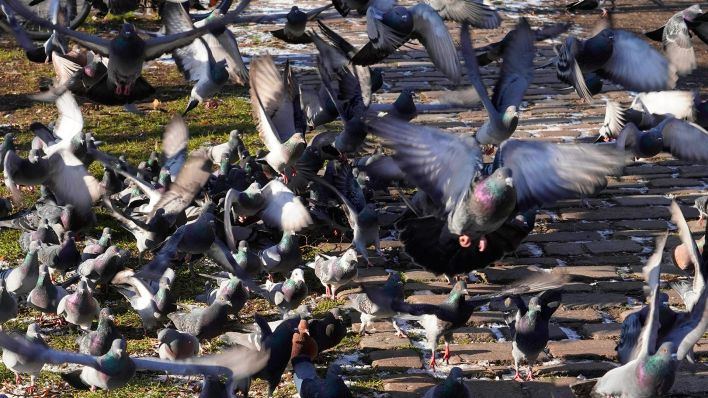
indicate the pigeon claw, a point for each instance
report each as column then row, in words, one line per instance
column 482, row 244
column 529, row 376
column 432, row 362
column 446, row 355
column 518, row 377
column 465, row 240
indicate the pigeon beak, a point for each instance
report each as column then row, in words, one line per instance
column 509, row 181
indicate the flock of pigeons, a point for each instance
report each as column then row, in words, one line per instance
column 247, row 213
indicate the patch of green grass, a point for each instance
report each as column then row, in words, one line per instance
column 326, row 304
column 367, row 385
column 349, row 342
column 9, row 248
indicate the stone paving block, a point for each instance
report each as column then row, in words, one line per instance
column 576, row 368
column 423, row 276
column 383, row 341
column 468, row 334
column 408, row 385
column 583, row 349
column 578, row 226
column 504, row 274
column 375, row 327
column 495, row 388
column 564, row 236
column 484, row 318
column 627, row 287
column 393, row 360
column 660, row 225
column 557, row 388
column 372, row 275
column 602, row 330
column 574, row 301
column 616, row 213
column 693, row 385
column 494, row 353
column 564, row 249
column 585, row 315
column 613, row 246
column 675, row 182
column 433, row 286
column 642, row 200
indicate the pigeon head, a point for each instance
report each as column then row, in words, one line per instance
column 296, row 17
column 598, row 49
column 349, row 256
column 404, row 103
column 127, row 31
column 298, row 275
column 218, row 72
column 692, row 12
column 650, row 143
column 495, row 190
column 400, row 19
column 376, row 79
column 33, row 330
column 334, row 370
column 458, row 292
column 659, row 369
column 105, row 314
column 242, row 246
column 510, row 118
column 455, row 374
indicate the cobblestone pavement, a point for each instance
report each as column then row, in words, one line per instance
column 602, row 247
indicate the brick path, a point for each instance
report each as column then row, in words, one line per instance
column 602, row 248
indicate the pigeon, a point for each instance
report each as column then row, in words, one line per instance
column 452, row 386
column 115, row 368
column 334, row 272
column 289, row 294
column 98, row 342
column 79, row 308
column 389, row 26
column 494, row 51
column 474, row 12
column 282, row 257
column 279, row 343
column 612, row 54
column 676, row 38
column 273, row 109
column 45, row 296
column 652, row 371
column 370, row 311
column 232, row 289
column 364, row 223
column 8, row 304
column 696, row 25
column 22, row 279
column 97, row 248
column 247, row 259
column 205, row 60
column 587, row 5
column 676, row 103
column 203, row 323
column 309, row 385
column 176, row 345
column 151, row 301
column 128, row 52
column 295, row 24
column 103, row 268
column 515, row 77
column 19, row 363
column 530, row 328
column 680, row 138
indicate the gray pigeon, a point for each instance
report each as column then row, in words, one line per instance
column 203, row 323
column 282, row 257
column 151, row 301
column 389, row 26
column 370, row 311
column 79, row 308
column 295, row 24
column 115, row 369
column 287, row 295
column 98, row 342
column 231, row 288
column 22, row 279
column 93, row 250
column 8, row 304
column 677, row 40
column 474, row 12
column 701, row 204
column 613, row 53
column 530, row 328
column 684, row 140
column 19, row 363
column 652, row 371
column 334, row 272
column 175, row 345
column 309, row 385
column 128, row 51
column 206, row 60
column 452, row 386
column 45, row 296
column 274, row 110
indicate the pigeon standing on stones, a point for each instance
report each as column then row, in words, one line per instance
column 453, row 386
column 530, row 328
column 287, row 295
column 370, row 311
column 334, row 272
